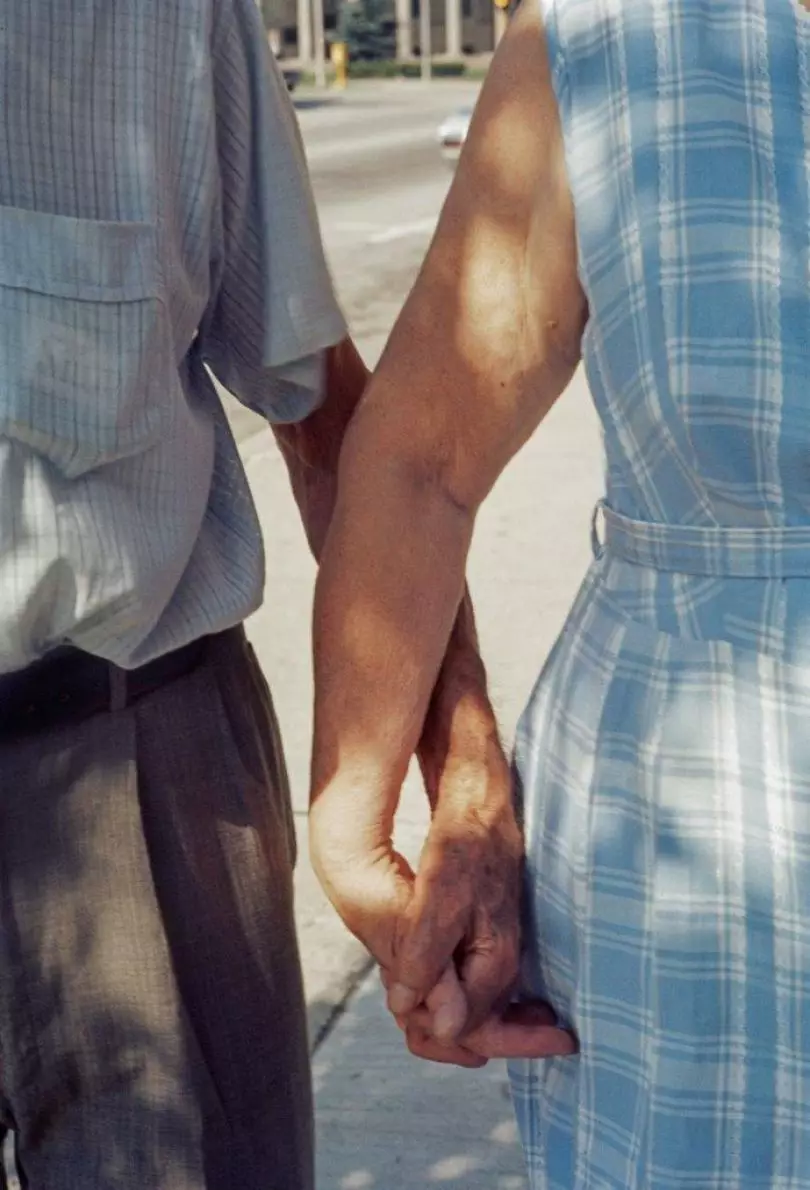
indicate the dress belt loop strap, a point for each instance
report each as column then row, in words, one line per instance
column 715, row 550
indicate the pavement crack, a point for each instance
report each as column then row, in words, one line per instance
column 338, row 1010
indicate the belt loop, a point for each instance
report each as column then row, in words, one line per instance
column 118, row 688
column 597, row 544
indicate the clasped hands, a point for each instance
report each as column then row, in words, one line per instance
column 446, row 937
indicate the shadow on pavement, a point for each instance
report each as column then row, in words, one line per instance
column 386, row 1121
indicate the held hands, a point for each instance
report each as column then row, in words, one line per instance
column 446, row 938
column 519, row 1031
column 457, row 959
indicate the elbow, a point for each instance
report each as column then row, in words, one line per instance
column 420, row 484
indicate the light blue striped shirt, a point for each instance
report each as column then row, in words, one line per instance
column 155, row 218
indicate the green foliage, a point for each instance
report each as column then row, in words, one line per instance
column 368, row 30
column 410, row 70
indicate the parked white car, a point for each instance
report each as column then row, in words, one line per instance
column 453, row 133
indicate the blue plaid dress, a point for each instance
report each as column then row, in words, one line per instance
column 664, row 757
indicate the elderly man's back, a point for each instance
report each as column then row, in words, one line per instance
column 150, row 184
column 155, row 218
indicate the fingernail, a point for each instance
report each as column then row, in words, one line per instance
column 401, row 1000
column 447, row 1023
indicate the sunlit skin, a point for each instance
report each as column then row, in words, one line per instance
column 487, row 341
column 458, row 749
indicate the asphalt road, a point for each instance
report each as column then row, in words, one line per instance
column 379, row 183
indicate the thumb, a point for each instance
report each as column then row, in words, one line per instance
column 444, row 1008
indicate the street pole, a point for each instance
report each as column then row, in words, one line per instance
column 425, row 39
column 501, row 22
column 404, row 30
column 453, row 22
column 319, row 39
column 304, row 12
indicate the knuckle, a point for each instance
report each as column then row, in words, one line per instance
column 416, row 969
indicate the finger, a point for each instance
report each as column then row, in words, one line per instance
column 525, row 1031
column 447, row 1006
column 530, row 1015
column 401, row 999
column 421, row 1045
column 489, row 968
column 429, row 930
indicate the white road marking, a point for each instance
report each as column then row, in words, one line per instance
column 401, row 230
column 364, row 227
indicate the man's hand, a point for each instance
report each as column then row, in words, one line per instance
column 465, row 902
column 460, row 1017
column 464, row 908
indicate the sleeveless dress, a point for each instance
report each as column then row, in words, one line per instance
column 664, row 758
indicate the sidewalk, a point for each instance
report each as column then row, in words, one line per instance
column 386, row 1121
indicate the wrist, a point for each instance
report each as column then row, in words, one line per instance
column 460, row 746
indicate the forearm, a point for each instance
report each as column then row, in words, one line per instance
column 459, row 726
column 311, row 448
column 384, row 609
column 460, row 731
column 314, row 489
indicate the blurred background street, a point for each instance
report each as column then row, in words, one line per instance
column 386, row 1121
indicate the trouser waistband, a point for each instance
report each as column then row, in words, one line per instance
column 68, row 685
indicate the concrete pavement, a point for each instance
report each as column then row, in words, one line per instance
column 386, row 1121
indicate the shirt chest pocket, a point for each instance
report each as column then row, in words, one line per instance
column 84, row 341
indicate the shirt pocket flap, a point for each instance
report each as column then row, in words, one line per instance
column 85, row 344
column 83, row 259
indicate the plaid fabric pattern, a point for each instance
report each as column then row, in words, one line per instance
column 664, row 758
column 155, row 216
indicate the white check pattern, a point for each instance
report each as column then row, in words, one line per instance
column 155, row 216
column 664, row 758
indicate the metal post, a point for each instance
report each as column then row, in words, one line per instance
column 453, row 25
column 319, row 40
column 340, row 61
column 404, row 30
column 304, row 15
column 425, row 39
column 501, row 20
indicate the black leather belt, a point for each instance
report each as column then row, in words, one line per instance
column 68, row 685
